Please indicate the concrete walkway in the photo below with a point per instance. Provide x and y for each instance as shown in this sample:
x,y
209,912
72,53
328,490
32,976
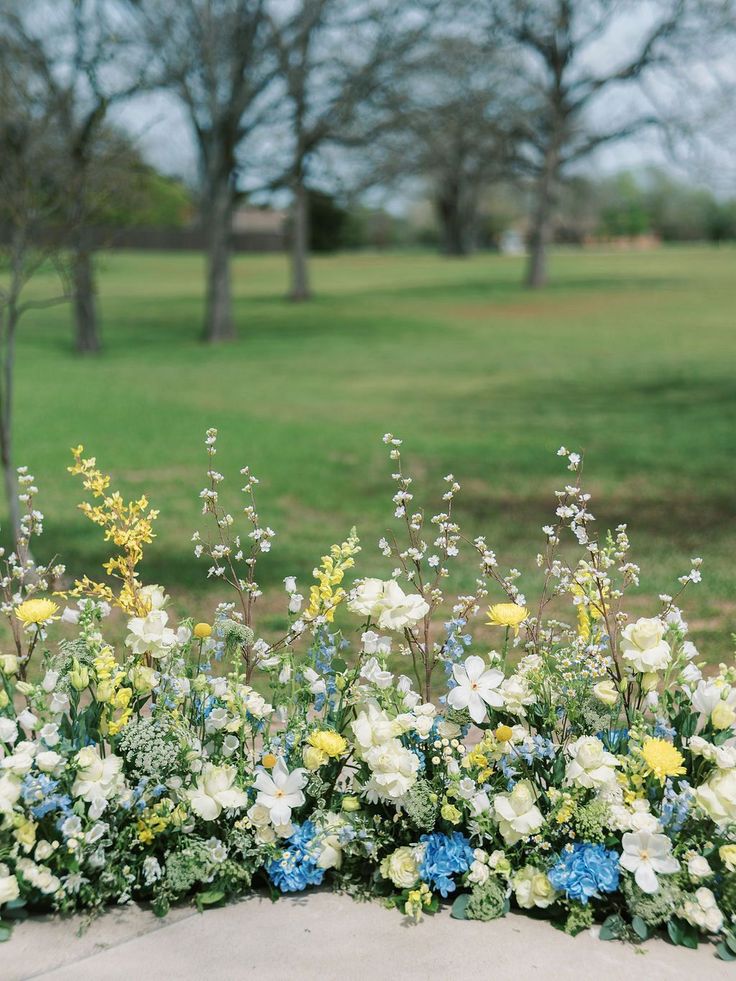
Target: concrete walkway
x,y
324,936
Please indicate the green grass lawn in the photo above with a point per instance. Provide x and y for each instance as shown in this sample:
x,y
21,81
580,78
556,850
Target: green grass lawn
x,y
630,357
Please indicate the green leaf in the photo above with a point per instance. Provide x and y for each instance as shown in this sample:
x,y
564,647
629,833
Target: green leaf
x,y
5,930
640,928
682,933
731,941
459,906
610,928
724,951
338,665
210,897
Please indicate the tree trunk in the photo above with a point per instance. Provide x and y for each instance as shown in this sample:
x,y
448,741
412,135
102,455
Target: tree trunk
x,y
85,302
541,229
456,213
218,324
300,243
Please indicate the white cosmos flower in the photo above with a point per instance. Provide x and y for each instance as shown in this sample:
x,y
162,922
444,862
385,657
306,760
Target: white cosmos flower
x,y
280,791
476,687
646,854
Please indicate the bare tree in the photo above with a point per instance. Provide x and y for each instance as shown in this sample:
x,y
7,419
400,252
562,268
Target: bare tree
x,y
333,58
33,226
450,120
580,59
78,53
215,55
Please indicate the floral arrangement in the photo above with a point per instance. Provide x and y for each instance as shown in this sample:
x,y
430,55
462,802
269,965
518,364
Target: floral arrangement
x,y
558,756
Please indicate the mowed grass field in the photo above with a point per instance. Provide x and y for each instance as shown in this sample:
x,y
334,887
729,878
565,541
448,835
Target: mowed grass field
x,y
629,357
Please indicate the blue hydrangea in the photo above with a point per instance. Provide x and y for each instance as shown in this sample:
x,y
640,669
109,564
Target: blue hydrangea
x,y
444,857
584,871
297,868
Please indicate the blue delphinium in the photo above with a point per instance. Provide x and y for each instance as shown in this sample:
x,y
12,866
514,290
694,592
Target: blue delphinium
x,y
297,868
585,870
444,857
676,805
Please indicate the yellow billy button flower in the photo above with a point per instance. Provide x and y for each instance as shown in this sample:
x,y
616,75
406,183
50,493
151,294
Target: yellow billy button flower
x,y
504,733
330,743
507,615
36,612
662,759
202,631
269,761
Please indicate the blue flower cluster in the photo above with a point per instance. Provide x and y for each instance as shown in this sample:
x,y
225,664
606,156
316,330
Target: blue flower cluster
x,y
38,791
297,868
676,805
584,871
444,857
456,643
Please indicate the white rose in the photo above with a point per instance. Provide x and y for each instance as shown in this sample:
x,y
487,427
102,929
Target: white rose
x,y
401,868
517,813
533,888
590,764
393,768
643,645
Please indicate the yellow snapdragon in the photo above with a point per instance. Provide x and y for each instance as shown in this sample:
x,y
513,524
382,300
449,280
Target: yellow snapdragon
x,y
327,594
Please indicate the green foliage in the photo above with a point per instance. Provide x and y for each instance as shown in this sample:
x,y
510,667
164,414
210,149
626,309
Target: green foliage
x,y
656,908
579,918
639,374
487,902
421,806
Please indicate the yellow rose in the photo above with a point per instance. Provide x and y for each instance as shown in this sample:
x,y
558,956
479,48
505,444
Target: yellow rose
x,y
722,716
25,834
533,888
450,813
330,743
507,615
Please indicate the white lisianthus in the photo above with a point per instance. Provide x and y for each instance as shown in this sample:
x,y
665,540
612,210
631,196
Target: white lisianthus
x,y
21,760
533,888
643,645
516,694
401,867
645,855
374,674
705,697
215,791
150,634
374,643
517,813
476,687
372,727
8,731
387,604
328,839
590,764
717,797
154,597
49,762
97,779
393,770
9,793
8,889
280,791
